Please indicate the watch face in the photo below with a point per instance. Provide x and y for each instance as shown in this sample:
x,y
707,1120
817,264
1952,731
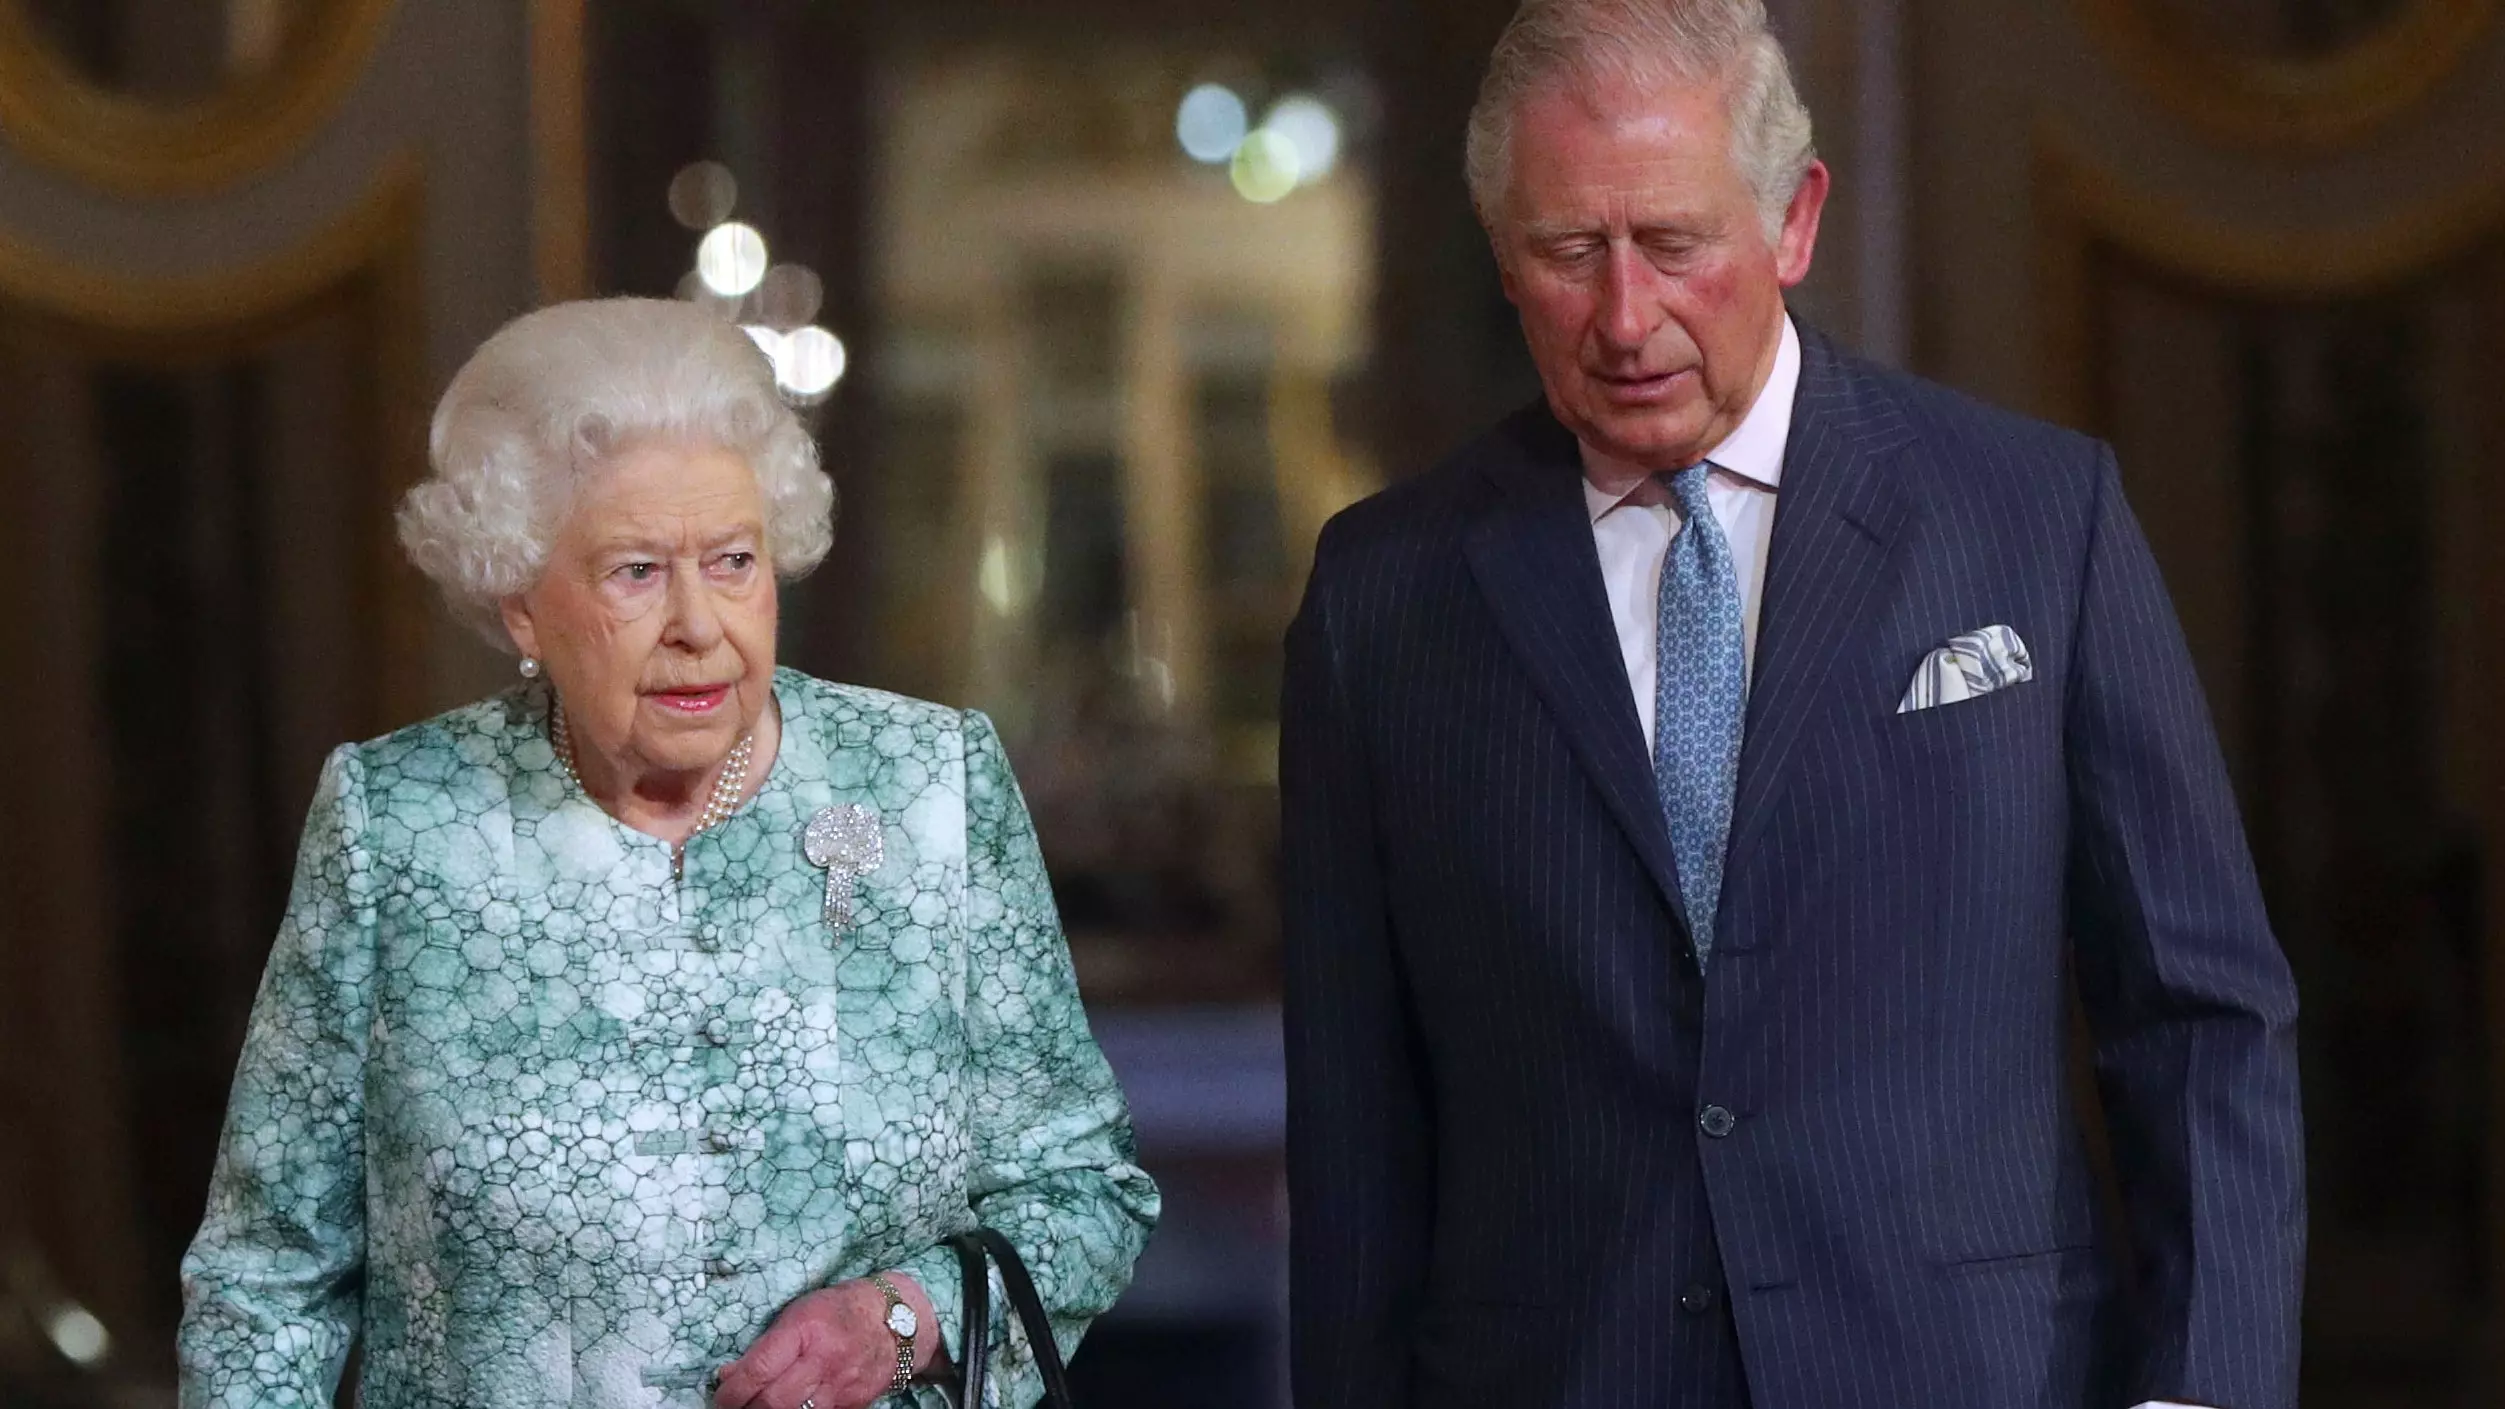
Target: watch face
x,y
901,1320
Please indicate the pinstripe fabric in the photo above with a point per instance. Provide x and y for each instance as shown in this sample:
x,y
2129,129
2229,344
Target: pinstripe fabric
x,y
1506,1070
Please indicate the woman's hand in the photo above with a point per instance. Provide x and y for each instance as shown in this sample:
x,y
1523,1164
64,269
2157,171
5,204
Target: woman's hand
x,y
828,1350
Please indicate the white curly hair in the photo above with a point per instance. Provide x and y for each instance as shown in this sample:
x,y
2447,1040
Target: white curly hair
x,y
1648,43
556,394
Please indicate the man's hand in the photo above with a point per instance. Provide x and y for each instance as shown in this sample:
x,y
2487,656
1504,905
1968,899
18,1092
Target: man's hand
x,y
830,1350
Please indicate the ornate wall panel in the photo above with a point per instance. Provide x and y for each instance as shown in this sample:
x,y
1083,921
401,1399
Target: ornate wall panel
x,y
224,311
57,107
2290,72
208,467
2309,430
560,166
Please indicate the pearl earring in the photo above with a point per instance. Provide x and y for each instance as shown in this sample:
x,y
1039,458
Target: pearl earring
x,y
530,667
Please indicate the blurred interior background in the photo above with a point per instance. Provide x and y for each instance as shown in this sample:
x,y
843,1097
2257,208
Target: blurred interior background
x,y
1101,307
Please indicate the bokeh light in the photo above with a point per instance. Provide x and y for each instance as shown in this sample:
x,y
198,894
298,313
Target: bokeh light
x,y
789,297
732,259
703,195
1312,128
997,578
812,363
1211,123
79,1336
692,289
1266,167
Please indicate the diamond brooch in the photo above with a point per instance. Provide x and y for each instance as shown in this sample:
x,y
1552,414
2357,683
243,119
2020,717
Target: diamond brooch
x,y
848,843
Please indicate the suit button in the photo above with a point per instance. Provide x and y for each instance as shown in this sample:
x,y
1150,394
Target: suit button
x,y
717,1032
1696,1300
718,1267
1717,1122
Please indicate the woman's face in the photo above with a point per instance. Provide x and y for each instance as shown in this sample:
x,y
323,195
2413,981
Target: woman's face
x,y
655,614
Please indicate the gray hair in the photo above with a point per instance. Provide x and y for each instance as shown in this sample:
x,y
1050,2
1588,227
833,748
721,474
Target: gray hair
x,y
557,393
1648,42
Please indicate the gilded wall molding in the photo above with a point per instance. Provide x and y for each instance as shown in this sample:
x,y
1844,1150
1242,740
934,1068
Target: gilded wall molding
x,y
158,151
560,160
2303,103
2086,212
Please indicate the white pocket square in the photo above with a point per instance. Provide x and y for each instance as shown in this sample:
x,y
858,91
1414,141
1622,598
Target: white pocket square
x,y
1968,667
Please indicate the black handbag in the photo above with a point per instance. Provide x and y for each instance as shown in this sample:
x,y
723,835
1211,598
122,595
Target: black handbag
x,y
974,1341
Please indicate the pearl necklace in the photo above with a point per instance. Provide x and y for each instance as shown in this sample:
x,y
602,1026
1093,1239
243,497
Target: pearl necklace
x,y
727,785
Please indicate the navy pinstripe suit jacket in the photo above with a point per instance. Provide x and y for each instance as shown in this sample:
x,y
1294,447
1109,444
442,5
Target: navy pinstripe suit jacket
x,y
1537,1158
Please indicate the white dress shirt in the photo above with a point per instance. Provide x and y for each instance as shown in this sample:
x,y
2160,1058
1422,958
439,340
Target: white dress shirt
x,y
1633,526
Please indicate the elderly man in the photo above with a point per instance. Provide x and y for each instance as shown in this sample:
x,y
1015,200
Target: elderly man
x,y
1701,793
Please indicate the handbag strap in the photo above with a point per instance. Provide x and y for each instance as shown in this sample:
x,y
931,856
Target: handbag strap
x,y
974,1344
974,1339
1030,1309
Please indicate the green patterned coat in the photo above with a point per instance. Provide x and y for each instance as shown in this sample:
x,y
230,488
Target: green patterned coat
x,y
550,1127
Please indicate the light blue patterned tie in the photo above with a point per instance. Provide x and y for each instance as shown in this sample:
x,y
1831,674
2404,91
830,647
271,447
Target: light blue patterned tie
x,y
1699,693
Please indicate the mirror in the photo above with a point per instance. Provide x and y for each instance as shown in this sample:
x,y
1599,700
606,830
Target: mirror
x,y
171,52
1121,332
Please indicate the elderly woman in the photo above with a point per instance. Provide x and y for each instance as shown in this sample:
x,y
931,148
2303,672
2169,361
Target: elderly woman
x,y
637,1036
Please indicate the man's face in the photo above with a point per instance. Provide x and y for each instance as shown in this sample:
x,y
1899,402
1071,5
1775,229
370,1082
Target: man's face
x,y
1635,253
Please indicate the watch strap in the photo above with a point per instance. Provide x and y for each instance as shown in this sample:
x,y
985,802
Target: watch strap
x,y
904,1344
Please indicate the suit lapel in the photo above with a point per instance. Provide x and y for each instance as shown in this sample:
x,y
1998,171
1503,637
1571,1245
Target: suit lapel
x,y
1836,521
1532,552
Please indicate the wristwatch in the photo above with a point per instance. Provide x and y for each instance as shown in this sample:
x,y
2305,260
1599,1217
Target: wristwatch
x,y
904,1326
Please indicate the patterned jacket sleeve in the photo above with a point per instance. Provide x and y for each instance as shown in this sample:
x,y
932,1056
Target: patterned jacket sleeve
x,y
270,1285
1054,1166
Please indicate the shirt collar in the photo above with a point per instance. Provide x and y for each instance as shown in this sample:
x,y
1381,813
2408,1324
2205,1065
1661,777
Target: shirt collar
x,y
1754,452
